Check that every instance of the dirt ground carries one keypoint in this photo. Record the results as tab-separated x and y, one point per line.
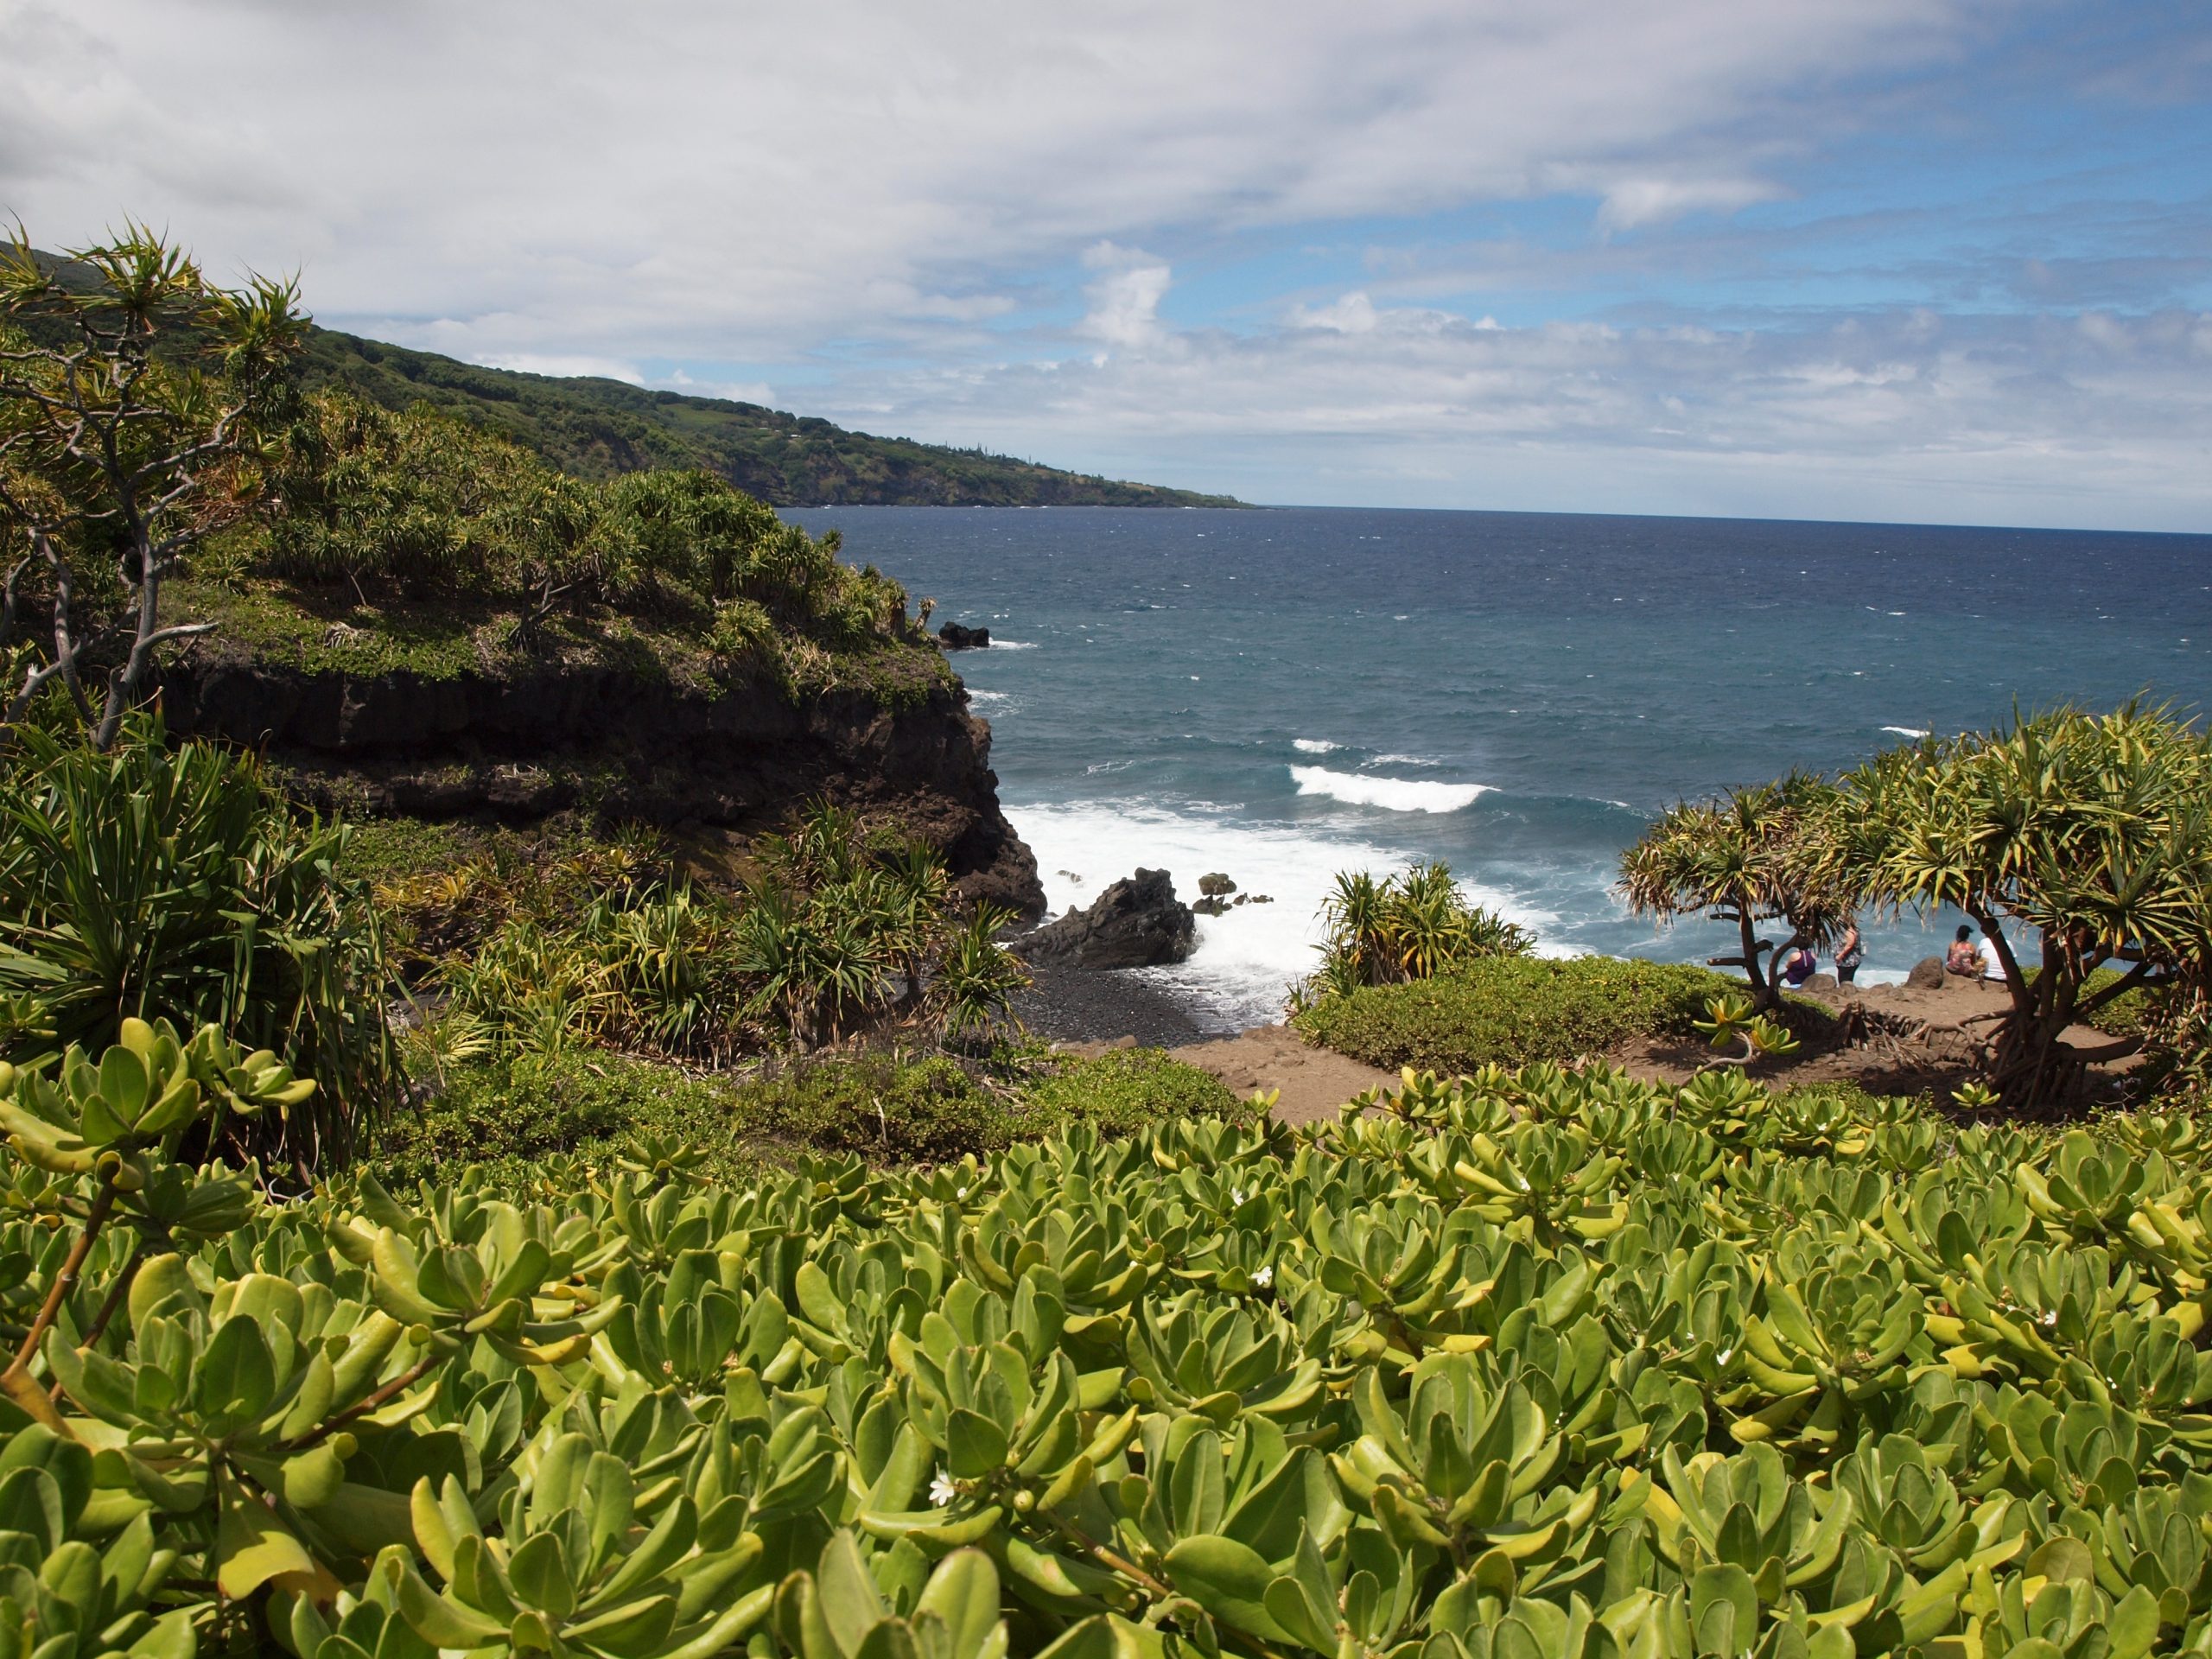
1914	1042
1313	1082
1914	1046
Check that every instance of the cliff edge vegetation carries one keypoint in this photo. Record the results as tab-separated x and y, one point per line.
409	613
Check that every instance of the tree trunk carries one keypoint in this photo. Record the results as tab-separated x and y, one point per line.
2030	1067
1764	995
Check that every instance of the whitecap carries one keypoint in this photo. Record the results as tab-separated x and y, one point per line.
1314	745
1014	645
999	699
1401	760
1906	731
1248	956
1394	794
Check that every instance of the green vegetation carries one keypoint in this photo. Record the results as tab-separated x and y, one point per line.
599	428
1409	926
517	1116
1530	1363
605	941
414	541
137	409
175	482
150	883
1514	1010
936	1110
1124	1090
2087	834
527	1119
1746	858
609	1348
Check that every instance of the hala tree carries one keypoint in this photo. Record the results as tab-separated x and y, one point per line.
2090	835
136	398
1745	858
1413	925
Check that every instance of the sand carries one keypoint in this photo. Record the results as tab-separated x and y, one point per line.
1312	1081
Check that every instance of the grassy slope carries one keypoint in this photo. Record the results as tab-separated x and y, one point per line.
596	428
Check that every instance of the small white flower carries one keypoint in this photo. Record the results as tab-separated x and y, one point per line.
959	1192
942	1491
2050	1318
1263	1277
1236	1195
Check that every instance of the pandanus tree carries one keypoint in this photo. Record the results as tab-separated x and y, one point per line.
1745	858
137	400
1414	925
2090	835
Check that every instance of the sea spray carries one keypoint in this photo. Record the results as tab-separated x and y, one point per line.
1248	956
1393	794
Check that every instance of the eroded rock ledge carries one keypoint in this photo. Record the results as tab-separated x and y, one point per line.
521	747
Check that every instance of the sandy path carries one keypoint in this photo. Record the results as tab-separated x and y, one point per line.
1313	1082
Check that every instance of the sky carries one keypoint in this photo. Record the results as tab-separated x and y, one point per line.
1919	260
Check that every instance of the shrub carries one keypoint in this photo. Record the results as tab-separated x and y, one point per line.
419	506
931	1111
1412	925
605	942
153	882
514	1112
1127	1089
1514	1010
1635	1369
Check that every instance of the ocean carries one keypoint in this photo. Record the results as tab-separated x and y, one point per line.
1281	694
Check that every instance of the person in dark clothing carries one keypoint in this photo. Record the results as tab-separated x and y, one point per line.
1849	953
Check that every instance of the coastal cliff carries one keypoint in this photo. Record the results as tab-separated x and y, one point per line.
522	745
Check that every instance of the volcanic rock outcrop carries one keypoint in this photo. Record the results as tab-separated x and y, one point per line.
1135	923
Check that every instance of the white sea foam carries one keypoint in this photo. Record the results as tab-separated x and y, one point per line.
1314	745
1906	731
1403	761
999	699
1013	644
1248	956
1396	794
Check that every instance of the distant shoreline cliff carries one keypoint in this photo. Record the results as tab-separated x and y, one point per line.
596	428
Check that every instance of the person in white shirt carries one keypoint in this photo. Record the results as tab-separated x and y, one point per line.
1992	965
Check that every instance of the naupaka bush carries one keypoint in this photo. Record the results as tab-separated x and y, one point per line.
1532	1362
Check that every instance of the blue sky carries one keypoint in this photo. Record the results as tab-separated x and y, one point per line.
1942	260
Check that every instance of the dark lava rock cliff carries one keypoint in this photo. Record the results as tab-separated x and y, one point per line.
522	746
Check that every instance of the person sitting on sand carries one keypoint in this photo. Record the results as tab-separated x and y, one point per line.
1798	967
1962	959
1849	953
1992	964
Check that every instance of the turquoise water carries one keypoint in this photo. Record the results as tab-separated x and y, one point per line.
1281	694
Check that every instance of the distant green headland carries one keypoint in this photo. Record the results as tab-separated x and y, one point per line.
597	428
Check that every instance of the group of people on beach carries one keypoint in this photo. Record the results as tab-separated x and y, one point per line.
1965	959
1800	964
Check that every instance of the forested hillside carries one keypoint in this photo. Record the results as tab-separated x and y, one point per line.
596	428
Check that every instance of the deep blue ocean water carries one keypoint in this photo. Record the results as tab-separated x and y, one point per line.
1279	694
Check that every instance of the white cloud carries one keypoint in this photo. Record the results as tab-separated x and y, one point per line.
735	392
700	181
878	203
1125	297
2101	421
554	363
1632	201
1352	315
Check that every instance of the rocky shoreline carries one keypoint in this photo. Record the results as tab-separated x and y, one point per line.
1075	1005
